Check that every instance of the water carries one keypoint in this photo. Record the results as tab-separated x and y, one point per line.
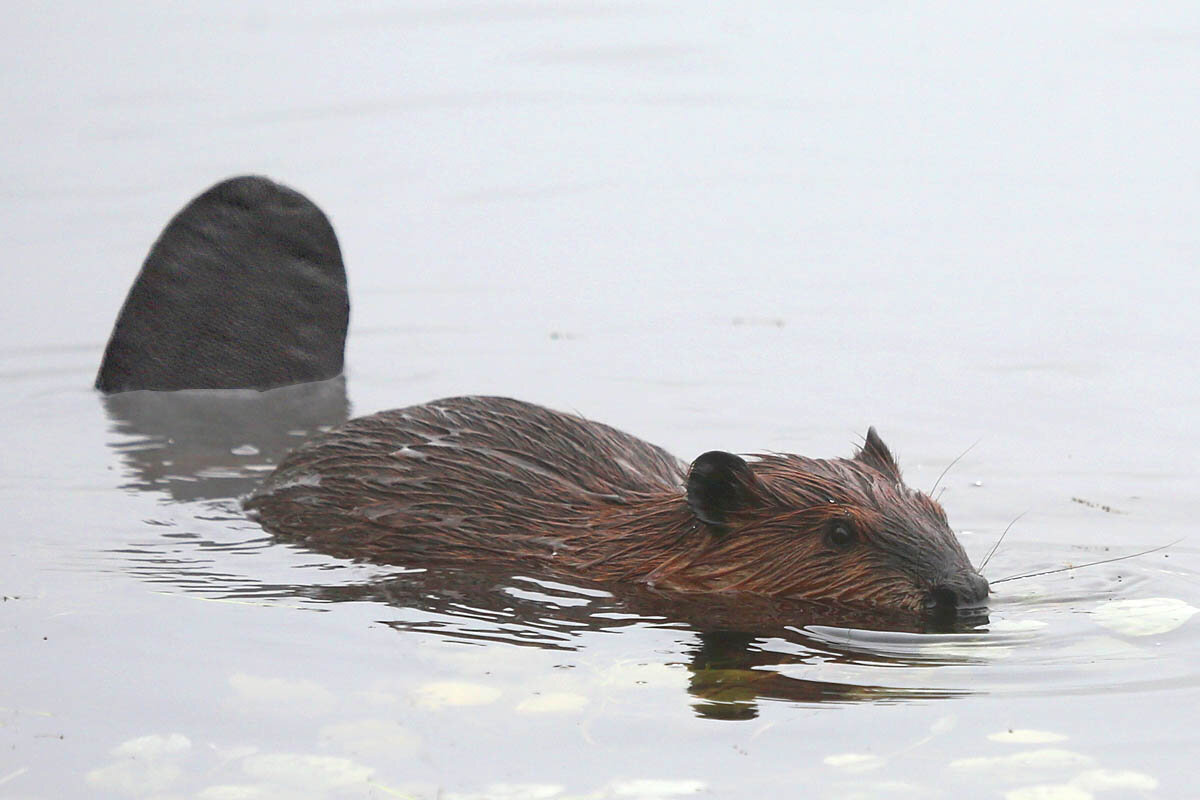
750	227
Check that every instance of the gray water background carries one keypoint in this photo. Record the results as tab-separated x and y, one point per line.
751	226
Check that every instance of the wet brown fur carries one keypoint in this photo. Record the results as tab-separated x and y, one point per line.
466	479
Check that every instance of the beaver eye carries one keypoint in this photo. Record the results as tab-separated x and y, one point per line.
841	534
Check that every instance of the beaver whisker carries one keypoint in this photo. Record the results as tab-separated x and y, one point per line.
949	466
1088	564
992	552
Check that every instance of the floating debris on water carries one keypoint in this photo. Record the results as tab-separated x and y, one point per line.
1147	616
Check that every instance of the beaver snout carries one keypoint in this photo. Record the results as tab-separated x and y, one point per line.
963	595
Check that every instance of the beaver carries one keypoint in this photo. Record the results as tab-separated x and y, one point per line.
244	289
497	480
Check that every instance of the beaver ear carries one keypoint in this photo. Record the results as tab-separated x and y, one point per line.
875	453
718	485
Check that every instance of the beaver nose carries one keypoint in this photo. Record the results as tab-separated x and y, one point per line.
961	595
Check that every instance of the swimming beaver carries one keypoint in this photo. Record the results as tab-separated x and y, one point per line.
466	479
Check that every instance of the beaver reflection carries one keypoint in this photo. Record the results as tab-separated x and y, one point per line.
730	673
743	646
210	445
244	289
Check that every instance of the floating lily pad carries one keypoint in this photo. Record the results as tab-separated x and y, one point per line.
455	693
1148	616
854	762
1026	736
552	702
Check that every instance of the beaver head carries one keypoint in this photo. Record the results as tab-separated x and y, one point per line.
842	530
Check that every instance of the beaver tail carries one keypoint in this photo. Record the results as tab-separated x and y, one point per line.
244	289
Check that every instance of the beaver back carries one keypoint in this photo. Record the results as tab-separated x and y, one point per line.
458	477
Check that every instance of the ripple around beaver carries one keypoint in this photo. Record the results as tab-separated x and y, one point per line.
202	448
738	651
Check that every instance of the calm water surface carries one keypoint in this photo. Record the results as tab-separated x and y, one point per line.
752	226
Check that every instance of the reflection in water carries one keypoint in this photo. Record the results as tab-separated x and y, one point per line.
742	641
212	444
744	648
731	672
744	644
